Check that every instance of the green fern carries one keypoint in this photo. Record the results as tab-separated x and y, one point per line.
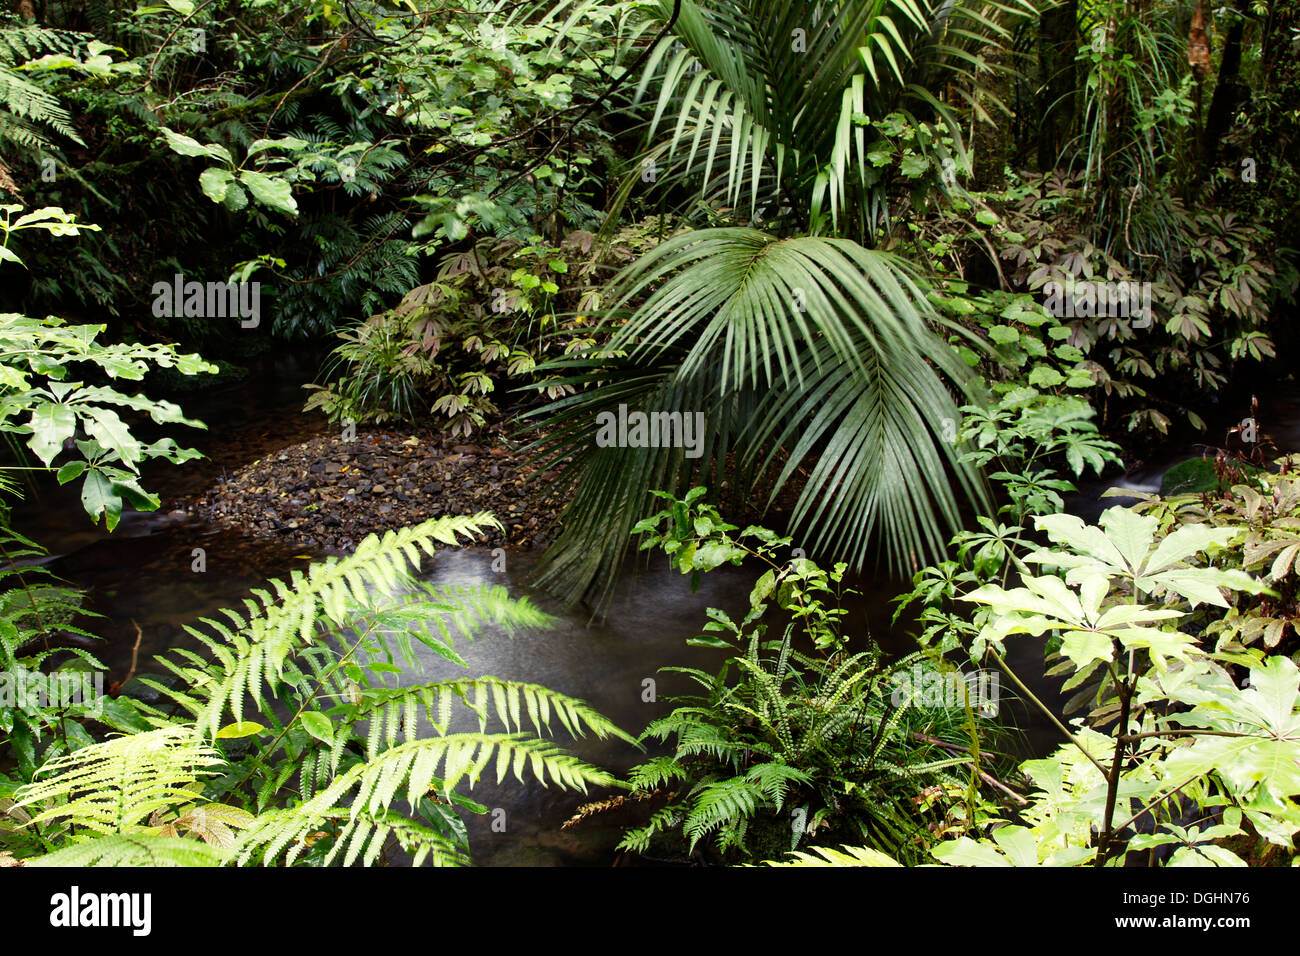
114	786
29	112
844	856
252	650
37	614
370	777
778	727
409	767
726	806
136	849
390	712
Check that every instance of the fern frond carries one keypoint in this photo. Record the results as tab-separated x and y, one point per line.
338	591
845	856
25	106
516	705
721	804
114	786
662	821
654	773
134	849
409	767
774	779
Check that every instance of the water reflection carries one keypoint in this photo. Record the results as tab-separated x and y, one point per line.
605	663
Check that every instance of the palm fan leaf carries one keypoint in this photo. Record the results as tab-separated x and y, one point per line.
765	105
812	341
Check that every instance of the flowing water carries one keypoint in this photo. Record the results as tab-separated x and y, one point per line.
142	579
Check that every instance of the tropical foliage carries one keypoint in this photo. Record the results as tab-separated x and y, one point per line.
917	268
322	783
796	340
795	733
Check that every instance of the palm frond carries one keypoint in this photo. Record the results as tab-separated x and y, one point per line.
809	352
760	105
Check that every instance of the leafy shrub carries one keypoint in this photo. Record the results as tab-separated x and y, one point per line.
496	312
73	429
1184	733
1156	626
1209	294
39	399
37	614
1263	511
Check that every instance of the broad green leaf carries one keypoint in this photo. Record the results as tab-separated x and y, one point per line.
966	852
188	146
319	726
1083	647
1019	844
245	728
215	183
52	424
112	433
71	471
762	588
1044	376
270	191
1185	542
98	497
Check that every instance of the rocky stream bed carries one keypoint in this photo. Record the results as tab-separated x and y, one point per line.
328	493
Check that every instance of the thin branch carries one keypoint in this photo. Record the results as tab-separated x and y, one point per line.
987	778
1046	710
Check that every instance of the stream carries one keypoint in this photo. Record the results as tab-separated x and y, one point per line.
141	577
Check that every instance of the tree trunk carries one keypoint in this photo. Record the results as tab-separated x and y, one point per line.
1227	93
